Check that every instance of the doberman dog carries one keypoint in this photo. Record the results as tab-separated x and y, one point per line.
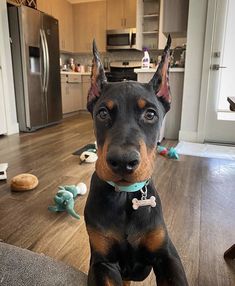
127	234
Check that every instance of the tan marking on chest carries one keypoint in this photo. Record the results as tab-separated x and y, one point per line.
102	242
154	239
151	240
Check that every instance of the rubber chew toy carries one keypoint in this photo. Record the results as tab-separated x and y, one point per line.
169	153
64	199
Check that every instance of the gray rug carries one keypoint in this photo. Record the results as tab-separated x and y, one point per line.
20	267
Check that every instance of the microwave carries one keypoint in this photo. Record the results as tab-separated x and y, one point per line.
124	39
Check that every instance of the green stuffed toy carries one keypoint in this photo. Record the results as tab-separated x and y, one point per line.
64	199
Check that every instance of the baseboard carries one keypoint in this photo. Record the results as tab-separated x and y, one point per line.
189	136
13	129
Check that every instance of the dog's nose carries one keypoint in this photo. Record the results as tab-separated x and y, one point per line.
123	162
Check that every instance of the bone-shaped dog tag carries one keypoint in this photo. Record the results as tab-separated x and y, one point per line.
147	202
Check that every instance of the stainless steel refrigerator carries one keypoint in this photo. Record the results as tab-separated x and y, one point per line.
35	56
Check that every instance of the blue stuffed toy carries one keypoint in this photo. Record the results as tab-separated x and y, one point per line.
64	199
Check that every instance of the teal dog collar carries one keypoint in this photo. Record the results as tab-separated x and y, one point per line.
129	189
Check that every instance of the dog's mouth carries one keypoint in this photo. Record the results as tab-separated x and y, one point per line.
127	181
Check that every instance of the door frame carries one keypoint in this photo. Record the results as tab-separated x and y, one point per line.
205	82
7	73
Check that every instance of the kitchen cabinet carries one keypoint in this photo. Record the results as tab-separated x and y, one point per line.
151	14
45	6
121	14
63	11
90	23
175	17
173	116
71	90
86	83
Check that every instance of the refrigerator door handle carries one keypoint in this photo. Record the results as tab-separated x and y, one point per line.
47	61
44	60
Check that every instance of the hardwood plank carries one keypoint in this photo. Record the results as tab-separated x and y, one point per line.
197	197
217	222
181	208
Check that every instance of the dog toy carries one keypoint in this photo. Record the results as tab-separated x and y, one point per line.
170	153
3	171
64	199
24	182
88	156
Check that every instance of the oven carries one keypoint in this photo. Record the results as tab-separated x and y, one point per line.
121	71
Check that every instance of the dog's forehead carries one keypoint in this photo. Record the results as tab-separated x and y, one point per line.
128	90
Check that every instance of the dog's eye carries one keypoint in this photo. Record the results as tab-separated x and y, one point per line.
103	113
150	115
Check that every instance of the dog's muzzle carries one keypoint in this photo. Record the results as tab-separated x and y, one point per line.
123	161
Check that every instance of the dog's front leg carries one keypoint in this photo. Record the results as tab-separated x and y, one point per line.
168	268
104	274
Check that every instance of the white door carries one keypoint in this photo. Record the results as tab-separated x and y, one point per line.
219	121
3	127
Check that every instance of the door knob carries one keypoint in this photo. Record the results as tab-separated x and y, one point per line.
216	67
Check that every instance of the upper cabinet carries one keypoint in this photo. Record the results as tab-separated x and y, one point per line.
90	23
45	6
121	14
150	23
175	17
63	11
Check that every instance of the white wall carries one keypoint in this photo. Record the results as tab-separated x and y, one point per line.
7	93
193	70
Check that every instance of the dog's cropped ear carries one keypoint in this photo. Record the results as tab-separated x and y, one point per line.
160	80
97	79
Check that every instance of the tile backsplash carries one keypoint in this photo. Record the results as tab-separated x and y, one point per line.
86	59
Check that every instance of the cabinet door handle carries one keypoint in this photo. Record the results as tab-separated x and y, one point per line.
124	22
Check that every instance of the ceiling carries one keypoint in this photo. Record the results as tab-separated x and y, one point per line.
81	1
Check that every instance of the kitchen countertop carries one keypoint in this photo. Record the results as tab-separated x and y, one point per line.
77	73
152	70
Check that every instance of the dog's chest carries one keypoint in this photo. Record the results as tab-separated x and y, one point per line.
135	229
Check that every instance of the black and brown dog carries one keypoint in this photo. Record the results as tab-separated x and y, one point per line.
127	233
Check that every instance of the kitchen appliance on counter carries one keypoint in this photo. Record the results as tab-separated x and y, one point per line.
125	39
36	67
120	71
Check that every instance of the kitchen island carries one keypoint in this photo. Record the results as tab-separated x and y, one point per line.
173	118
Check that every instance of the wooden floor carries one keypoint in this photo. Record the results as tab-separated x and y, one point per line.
198	197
